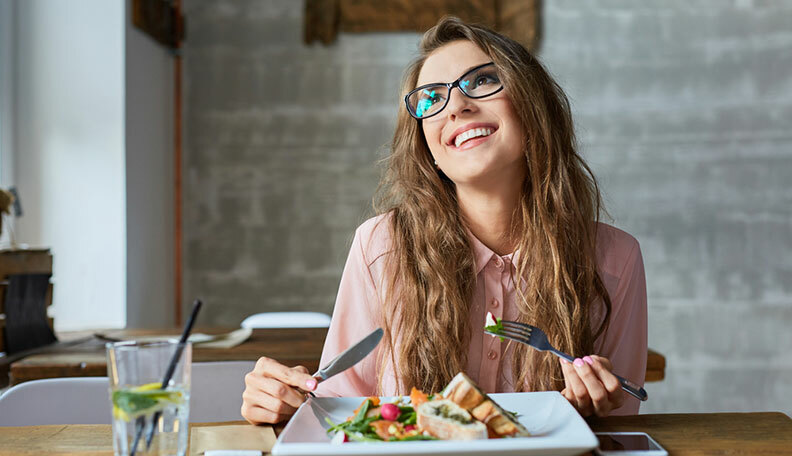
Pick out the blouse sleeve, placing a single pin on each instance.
(625, 343)
(353, 318)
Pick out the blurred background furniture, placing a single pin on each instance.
(655, 366)
(290, 346)
(216, 391)
(22, 261)
(287, 320)
(80, 400)
(215, 395)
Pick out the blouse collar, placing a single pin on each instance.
(484, 254)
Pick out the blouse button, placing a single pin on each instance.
(492, 354)
(498, 263)
(495, 303)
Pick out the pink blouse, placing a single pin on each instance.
(362, 290)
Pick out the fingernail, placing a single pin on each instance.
(563, 361)
(589, 360)
(311, 384)
(578, 362)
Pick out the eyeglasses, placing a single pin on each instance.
(428, 100)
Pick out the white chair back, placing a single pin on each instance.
(78, 400)
(215, 395)
(287, 320)
(216, 391)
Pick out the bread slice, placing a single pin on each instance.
(463, 391)
(446, 420)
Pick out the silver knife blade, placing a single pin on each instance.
(350, 356)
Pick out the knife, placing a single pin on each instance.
(350, 356)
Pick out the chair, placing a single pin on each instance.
(215, 395)
(74, 400)
(216, 390)
(287, 320)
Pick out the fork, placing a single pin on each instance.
(536, 338)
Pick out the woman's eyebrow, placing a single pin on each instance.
(466, 70)
(471, 67)
(460, 74)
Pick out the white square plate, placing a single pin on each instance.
(555, 426)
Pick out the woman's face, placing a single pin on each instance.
(481, 161)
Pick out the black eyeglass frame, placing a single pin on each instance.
(450, 86)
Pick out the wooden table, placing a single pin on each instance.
(290, 346)
(680, 434)
(767, 433)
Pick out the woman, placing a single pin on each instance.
(486, 207)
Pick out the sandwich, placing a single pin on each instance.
(446, 420)
(466, 394)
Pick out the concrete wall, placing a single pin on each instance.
(683, 110)
(68, 146)
(279, 154)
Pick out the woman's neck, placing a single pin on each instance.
(490, 215)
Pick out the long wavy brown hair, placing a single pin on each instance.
(431, 270)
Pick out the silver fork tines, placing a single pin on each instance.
(528, 335)
(536, 338)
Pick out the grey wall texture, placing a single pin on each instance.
(683, 110)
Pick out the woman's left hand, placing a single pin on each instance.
(591, 387)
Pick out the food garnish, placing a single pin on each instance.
(417, 397)
(493, 325)
(141, 400)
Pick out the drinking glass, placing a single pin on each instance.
(140, 402)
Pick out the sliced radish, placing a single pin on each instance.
(390, 412)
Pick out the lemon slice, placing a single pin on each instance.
(148, 387)
(141, 400)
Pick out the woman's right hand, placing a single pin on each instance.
(273, 391)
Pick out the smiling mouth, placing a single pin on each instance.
(472, 133)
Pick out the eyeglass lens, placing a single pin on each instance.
(478, 83)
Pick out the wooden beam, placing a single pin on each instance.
(324, 19)
(160, 20)
(360, 16)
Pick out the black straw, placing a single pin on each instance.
(168, 374)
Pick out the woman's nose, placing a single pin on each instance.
(458, 104)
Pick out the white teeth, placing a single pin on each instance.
(472, 133)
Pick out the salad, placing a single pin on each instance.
(460, 412)
(377, 422)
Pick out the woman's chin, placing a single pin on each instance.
(481, 179)
(487, 175)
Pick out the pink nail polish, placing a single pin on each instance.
(311, 384)
(563, 361)
(589, 360)
(579, 362)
